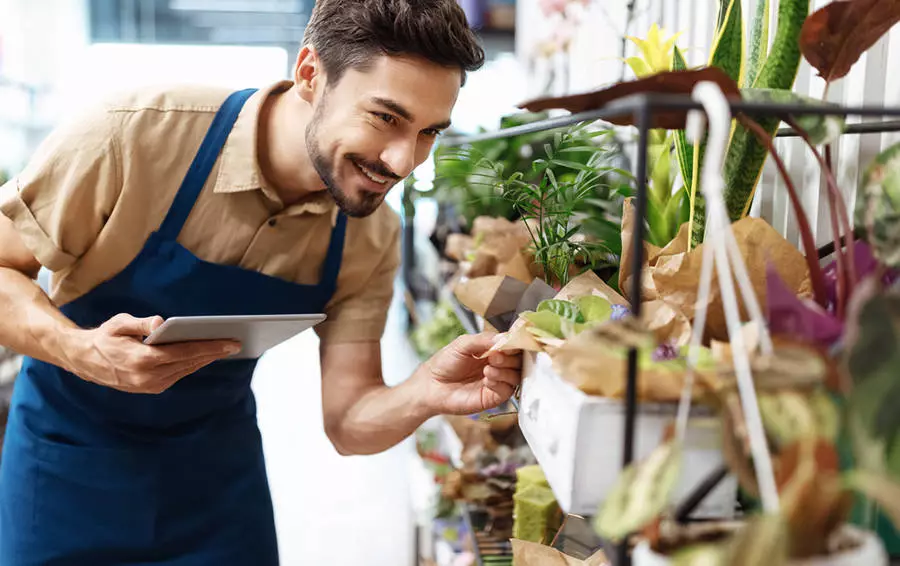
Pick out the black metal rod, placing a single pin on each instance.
(876, 127)
(642, 118)
(697, 496)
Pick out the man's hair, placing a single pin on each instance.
(352, 33)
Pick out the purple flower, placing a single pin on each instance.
(665, 353)
(619, 312)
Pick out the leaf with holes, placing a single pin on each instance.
(834, 37)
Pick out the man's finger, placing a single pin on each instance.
(192, 351)
(511, 377)
(127, 325)
(501, 388)
(176, 371)
(500, 360)
(475, 344)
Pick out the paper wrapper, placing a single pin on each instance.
(672, 274)
(532, 554)
(596, 362)
(496, 247)
(666, 322)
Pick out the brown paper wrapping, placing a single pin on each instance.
(672, 274)
(527, 553)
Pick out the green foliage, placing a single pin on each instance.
(437, 332)
(570, 199)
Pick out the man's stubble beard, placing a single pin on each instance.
(367, 204)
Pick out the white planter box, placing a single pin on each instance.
(577, 439)
(869, 552)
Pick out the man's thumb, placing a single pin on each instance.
(127, 325)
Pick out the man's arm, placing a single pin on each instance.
(29, 323)
(364, 416)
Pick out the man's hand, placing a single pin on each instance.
(459, 382)
(115, 356)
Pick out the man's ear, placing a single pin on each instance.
(308, 73)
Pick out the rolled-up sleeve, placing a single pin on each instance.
(362, 315)
(61, 200)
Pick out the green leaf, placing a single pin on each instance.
(763, 541)
(594, 308)
(728, 47)
(703, 554)
(759, 42)
(746, 156)
(879, 488)
(546, 321)
(640, 494)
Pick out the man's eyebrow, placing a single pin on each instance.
(399, 110)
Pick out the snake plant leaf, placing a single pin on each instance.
(641, 493)
(746, 155)
(759, 42)
(727, 51)
(835, 37)
(822, 130)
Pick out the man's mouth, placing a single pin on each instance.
(371, 175)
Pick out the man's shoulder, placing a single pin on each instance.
(168, 98)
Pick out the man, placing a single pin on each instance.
(193, 201)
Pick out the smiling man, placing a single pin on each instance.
(194, 201)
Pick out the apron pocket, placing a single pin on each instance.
(95, 504)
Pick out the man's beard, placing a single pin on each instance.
(367, 202)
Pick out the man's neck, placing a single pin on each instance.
(281, 145)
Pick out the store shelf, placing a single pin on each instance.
(488, 549)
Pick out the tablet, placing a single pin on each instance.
(256, 333)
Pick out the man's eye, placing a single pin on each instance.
(431, 133)
(386, 118)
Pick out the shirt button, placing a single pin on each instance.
(273, 222)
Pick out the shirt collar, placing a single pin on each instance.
(239, 168)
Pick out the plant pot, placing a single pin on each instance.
(577, 439)
(860, 548)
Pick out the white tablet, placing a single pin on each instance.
(256, 333)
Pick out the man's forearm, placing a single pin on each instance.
(29, 322)
(381, 418)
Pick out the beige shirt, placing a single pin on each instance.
(98, 187)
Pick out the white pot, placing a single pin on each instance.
(577, 440)
(868, 550)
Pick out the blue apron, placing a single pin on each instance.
(94, 476)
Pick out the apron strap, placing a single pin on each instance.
(203, 163)
(335, 253)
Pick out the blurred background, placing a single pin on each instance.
(57, 56)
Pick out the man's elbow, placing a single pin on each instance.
(336, 435)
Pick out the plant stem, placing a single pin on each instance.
(846, 261)
(809, 245)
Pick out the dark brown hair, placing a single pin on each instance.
(351, 33)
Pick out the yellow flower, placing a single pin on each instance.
(657, 53)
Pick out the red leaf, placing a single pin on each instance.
(833, 38)
(668, 82)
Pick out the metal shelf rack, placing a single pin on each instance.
(642, 108)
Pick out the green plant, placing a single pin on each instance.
(775, 69)
(571, 192)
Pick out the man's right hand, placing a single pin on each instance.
(114, 355)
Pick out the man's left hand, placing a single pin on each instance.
(460, 382)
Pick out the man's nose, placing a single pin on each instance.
(400, 157)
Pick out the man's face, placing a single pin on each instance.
(374, 127)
